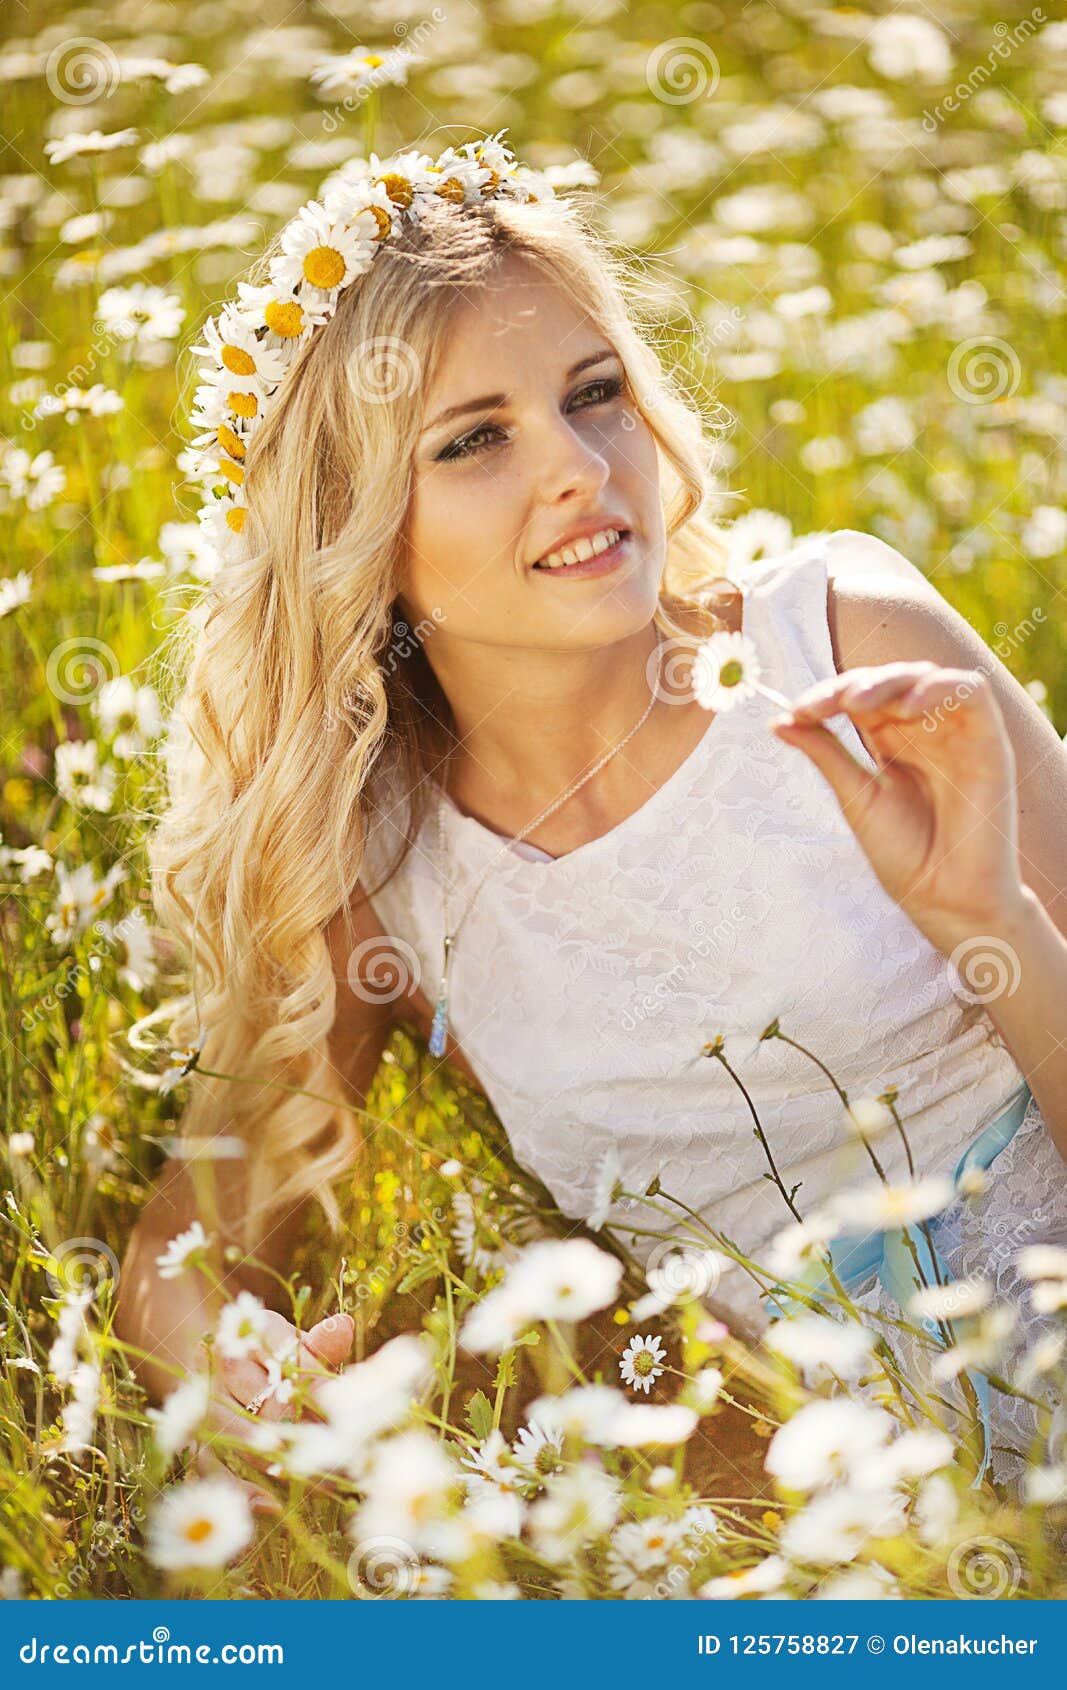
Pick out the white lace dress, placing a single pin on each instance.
(583, 988)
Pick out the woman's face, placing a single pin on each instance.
(550, 442)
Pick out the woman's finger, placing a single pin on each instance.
(827, 697)
(210, 1466)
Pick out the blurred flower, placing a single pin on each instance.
(80, 779)
(554, 1279)
(93, 141)
(362, 68)
(819, 1344)
(242, 1327)
(577, 1505)
(14, 590)
(37, 479)
(98, 401)
(128, 712)
(79, 899)
(409, 1490)
(140, 312)
(765, 1577)
(182, 1251)
(79, 1413)
(826, 1441)
(202, 1523)
(905, 47)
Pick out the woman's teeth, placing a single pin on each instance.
(591, 546)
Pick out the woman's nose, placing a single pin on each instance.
(570, 462)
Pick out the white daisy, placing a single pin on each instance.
(14, 590)
(128, 713)
(607, 1178)
(818, 1344)
(957, 1300)
(182, 1251)
(79, 1414)
(537, 1450)
(637, 1546)
(242, 1327)
(637, 1425)
(290, 322)
(981, 1347)
(766, 1576)
(181, 1415)
(867, 1117)
(80, 897)
(726, 670)
(836, 1526)
(410, 1487)
(202, 1523)
(640, 1364)
(91, 141)
(1042, 1261)
(826, 1441)
(322, 256)
(887, 1207)
(363, 68)
(553, 1279)
(79, 777)
(140, 312)
(577, 1505)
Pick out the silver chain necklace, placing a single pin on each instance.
(440, 1015)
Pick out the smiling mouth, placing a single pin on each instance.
(586, 553)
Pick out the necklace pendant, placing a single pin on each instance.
(440, 1026)
(440, 1014)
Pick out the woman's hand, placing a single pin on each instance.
(243, 1381)
(938, 822)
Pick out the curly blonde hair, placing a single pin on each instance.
(287, 690)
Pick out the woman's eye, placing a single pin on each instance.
(609, 387)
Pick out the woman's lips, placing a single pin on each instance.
(601, 564)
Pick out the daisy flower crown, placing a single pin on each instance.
(254, 340)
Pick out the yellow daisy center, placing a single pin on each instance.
(398, 188)
(731, 673)
(243, 404)
(451, 189)
(233, 472)
(324, 267)
(383, 220)
(230, 442)
(198, 1531)
(235, 518)
(284, 317)
(238, 360)
(493, 182)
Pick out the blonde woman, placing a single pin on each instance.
(446, 686)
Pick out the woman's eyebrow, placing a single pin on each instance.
(491, 400)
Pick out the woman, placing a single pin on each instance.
(434, 410)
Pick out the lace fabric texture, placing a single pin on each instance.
(584, 988)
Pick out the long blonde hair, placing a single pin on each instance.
(287, 690)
